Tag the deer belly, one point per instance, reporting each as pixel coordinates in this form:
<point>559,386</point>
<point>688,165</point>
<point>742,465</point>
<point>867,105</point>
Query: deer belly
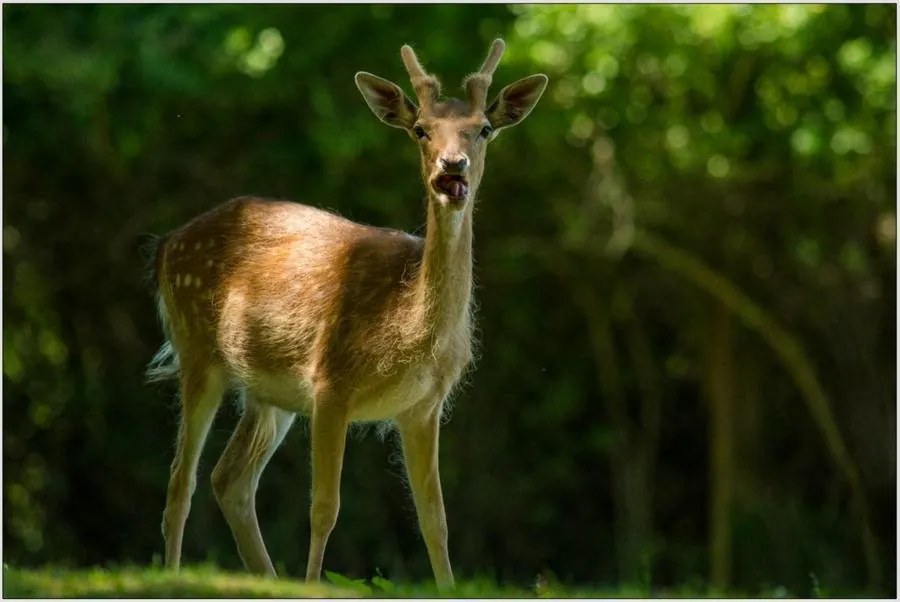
<point>286,392</point>
<point>394,395</point>
<point>379,400</point>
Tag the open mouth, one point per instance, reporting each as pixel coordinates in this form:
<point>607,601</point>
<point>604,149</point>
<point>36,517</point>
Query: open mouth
<point>455,187</point>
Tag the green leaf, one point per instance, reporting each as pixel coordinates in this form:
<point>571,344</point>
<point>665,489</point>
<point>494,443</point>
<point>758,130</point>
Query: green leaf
<point>382,583</point>
<point>356,584</point>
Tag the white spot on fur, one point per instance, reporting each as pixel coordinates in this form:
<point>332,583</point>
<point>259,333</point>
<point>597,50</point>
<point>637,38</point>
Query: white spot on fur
<point>177,280</point>
<point>209,263</point>
<point>198,245</point>
<point>197,282</point>
<point>187,279</point>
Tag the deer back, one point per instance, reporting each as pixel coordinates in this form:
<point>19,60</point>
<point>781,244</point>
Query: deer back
<point>273,287</point>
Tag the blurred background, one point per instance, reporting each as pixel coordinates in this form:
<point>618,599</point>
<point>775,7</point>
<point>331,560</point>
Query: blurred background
<point>686,267</point>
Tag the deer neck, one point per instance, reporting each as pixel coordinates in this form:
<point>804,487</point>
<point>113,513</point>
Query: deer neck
<point>444,285</point>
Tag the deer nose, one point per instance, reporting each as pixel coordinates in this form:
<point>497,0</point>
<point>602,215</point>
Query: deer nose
<point>454,165</point>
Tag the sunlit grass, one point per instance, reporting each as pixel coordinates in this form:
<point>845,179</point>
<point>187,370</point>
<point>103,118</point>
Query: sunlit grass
<point>133,582</point>
<point>210,582</point>
<point>207,581</point>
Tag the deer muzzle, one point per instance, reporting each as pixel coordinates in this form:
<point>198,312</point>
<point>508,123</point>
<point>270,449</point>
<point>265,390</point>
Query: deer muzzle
<point>454,186</point>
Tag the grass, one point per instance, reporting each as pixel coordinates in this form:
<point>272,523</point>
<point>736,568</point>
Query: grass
<point>210,582</point>
<point>207,581</point>
<point>133,582</point>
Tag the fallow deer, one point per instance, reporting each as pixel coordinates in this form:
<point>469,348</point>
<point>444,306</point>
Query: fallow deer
<point>303,311</point>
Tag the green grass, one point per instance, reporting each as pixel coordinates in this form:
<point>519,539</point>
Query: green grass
<point>195,582</point>
<point>209,582</point>
<point>206,581</point>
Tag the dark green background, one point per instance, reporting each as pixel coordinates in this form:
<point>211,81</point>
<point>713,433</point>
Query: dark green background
<point>685,261</point>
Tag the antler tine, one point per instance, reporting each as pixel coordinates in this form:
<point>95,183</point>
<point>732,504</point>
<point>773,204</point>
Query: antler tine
<point>493,58</point>
<point>427,88</point>
<point>478,83</point>
<point>411,62</point>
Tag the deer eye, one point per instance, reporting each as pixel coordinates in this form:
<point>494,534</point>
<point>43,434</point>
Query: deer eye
<point>486,131</point>
<point>420,132</point>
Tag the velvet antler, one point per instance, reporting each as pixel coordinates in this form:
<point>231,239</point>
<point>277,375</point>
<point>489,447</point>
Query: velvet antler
<point>426,87</point>
<point>477,84</point>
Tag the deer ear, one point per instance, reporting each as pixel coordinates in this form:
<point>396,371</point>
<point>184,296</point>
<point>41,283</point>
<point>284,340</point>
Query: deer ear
<point>387,100</point>
<point>516,100</point>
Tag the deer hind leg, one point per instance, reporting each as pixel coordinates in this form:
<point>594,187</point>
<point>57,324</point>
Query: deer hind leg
<point>235,478</point>
<point>419,437</point>
<point>201,394</point>
<point>328,438</point>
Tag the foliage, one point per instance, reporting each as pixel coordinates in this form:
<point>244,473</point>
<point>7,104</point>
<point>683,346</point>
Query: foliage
<point>757,140</point>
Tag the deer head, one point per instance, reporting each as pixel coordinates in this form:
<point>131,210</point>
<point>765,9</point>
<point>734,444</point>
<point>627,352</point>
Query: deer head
<point>452,134</point>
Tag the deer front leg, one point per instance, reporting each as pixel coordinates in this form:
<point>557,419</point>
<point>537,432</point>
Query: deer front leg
<point>329,434</point>
<point>419,431</point>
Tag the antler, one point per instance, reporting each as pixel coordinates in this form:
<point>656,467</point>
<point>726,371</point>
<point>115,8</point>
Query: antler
<point>426,86</point>
<point>478,83</point>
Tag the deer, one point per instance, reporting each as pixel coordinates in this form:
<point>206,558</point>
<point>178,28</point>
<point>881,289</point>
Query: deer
<point>301,311</point>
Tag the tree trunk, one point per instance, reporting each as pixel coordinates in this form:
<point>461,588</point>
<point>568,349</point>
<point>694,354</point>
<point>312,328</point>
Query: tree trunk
<point>635,442</point>
<point>720,392</point>
<point>633,512</point>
